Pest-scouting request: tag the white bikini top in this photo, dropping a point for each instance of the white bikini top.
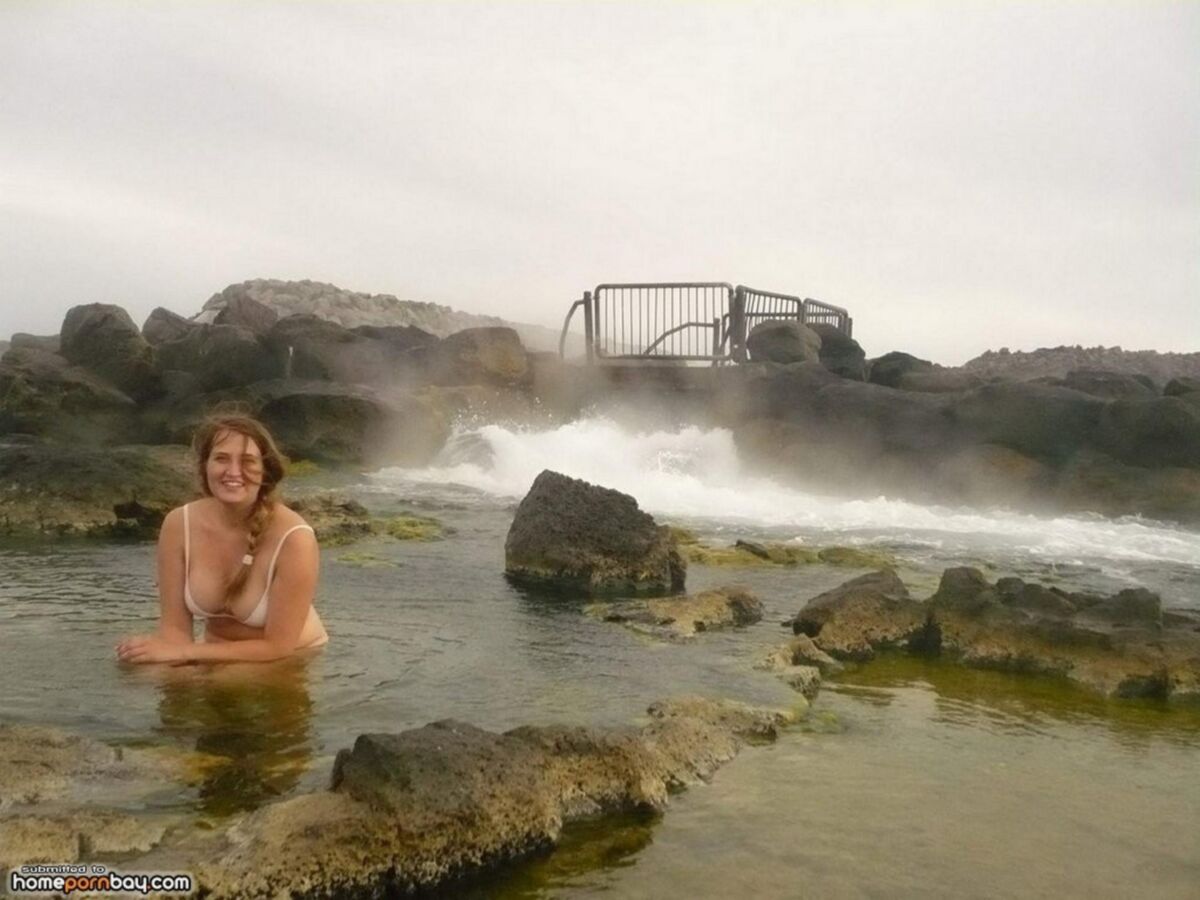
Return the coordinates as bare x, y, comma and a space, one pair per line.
258, 615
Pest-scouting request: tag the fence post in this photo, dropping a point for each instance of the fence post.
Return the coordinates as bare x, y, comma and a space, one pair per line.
737, 325
589, 328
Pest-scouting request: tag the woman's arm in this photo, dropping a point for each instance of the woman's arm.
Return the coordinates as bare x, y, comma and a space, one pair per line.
174, 618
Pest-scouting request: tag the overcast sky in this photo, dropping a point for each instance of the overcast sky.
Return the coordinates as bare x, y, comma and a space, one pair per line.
961, 176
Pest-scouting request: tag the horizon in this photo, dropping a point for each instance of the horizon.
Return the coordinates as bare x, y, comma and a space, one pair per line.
960, 178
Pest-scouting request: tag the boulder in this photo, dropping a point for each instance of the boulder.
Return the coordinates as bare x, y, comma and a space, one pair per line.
569, 533
800, 651
247, 313
476, 356
684, 617
162, 326
103, 339
1176, 387
783, 341
43, 394
1044, 422
50, 342
65, 836
73, 490
312, 348
888, 369
411, 811
1164, 431
351, 423
940, 381
400, 337
1097, 483
840, 353
218, 357
1107, 384
858, 618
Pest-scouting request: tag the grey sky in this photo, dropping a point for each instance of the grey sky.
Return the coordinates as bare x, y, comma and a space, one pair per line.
960, 176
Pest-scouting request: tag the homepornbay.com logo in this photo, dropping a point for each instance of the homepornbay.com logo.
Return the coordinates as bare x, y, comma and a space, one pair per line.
95, 879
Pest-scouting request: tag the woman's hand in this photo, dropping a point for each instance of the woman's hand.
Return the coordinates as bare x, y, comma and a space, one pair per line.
150, 648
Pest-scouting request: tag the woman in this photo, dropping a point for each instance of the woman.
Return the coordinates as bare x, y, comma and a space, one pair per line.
237, 559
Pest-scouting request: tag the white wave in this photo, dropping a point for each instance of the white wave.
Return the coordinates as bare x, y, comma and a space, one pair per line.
695, 473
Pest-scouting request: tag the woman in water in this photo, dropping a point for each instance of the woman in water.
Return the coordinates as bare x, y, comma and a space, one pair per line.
237, 559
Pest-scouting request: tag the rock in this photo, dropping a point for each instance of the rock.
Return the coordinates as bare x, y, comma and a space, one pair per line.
1161, 432
940, 381
54, 490
218, 357
40, 766
684, 617
323, 350
783, 341
805, 679
570, 533
840, 353
1044, 422
414, 810
351, 423
1057, 362
82, 833
854, 620
1098, 483
887, 370
477, 356
50, 342
42, 394
103, 339
1109, 385
400, 337
801, 651
162, 326
338, 521
1176, 387
247, 313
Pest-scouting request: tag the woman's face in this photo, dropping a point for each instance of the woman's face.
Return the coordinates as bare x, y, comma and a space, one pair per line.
234, 469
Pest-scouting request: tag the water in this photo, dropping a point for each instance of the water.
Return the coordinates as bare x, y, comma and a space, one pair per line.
910, 779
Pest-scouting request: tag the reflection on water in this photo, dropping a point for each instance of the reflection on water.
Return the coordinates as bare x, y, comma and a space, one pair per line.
250, 723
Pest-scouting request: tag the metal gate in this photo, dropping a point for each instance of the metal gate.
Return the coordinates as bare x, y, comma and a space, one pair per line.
702, 321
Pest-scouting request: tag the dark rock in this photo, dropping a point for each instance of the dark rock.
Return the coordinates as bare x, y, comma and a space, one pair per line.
841, 354
1096, 482
218, 357
1110, 385
476, 356
351, 423
571, 533
1047, 423
940, 381
684, 617
1160, 432
71, 490
162, 326
751, 547
313, 348
42, 394
855, 619
783, 341
414, 810
1132, 606
247, 313
1017, 594
1176, 387
401, 337
49, 342
103, 339
888, 369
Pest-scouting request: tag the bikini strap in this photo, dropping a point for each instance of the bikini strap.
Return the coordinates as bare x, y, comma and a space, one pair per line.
187, 541
278, 547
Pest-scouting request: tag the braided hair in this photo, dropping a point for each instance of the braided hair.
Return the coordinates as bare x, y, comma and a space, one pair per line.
213, 430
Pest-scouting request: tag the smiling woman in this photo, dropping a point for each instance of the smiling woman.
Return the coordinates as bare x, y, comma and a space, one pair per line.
238, 559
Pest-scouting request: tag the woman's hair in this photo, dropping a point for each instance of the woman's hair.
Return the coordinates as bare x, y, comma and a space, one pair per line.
213, 429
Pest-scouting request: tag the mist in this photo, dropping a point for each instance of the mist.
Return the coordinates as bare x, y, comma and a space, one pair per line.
960, 177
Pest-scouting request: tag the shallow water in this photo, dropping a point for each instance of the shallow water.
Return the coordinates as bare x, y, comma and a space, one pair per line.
910, 778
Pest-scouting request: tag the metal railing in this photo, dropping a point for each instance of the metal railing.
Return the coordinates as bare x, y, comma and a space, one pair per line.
701, 321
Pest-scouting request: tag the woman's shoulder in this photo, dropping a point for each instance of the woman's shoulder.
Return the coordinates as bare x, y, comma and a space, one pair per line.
285, 518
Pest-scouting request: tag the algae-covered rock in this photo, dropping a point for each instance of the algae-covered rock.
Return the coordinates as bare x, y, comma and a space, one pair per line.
684, 617
754, 553
338, 521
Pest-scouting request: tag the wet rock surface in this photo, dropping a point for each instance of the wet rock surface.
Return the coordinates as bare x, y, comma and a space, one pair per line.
685, 617
420, 808
1122, 645
571, 534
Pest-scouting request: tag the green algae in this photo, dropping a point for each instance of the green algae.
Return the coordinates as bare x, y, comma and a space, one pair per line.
367, 560
770, 554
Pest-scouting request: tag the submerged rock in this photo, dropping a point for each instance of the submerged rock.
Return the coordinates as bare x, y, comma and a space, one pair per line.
415, 810
570, 533
684, 617
1123, 645
338, 521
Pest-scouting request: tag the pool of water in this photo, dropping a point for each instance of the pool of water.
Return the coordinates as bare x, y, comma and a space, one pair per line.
909, 778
